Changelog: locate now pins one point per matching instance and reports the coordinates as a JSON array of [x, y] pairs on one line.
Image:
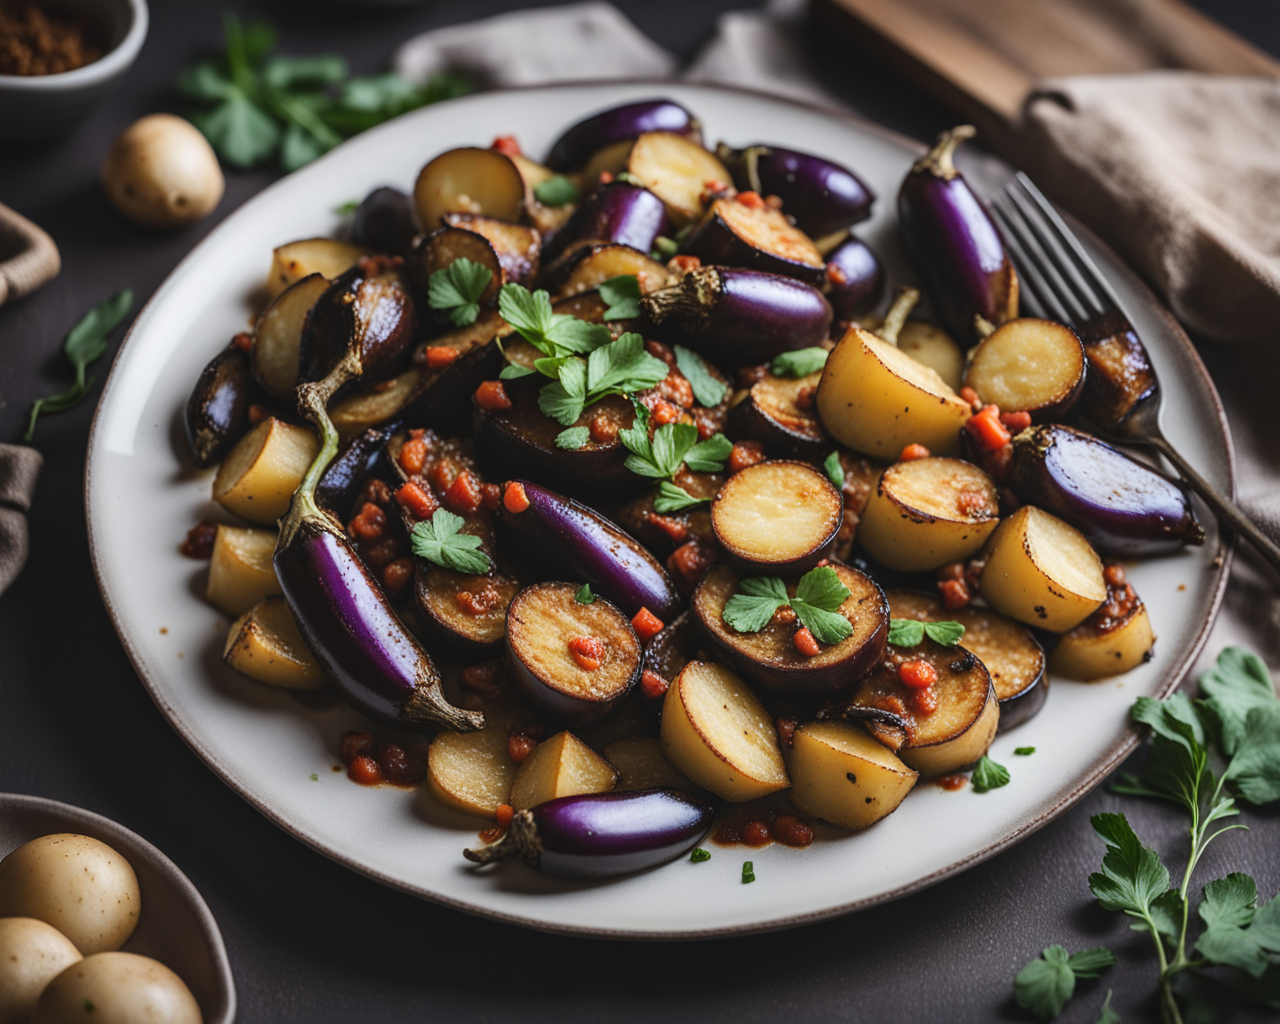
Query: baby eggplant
[[1120, 378], [954, 244], [355, 464], [596, 835], [770, 412], [1122, 506], [745, 231], [855, 279], [618, 124], [384, 222], [558, 537], [616, 212], [822, 196], [738, 316], [217, 414]]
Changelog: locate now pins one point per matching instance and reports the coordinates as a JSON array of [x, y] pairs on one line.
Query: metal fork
[[1066, 286]]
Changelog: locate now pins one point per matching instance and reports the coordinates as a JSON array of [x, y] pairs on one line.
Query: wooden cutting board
[[982, 57]]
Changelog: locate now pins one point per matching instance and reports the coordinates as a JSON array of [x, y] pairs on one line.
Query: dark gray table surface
[[311, 941]]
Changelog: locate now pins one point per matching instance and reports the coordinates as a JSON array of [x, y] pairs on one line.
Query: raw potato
[[717, 733], [1042, 572], [1100, 647], [79, 885], [473, 772], [1028, 365], [277, 335], [32, 954], [876, 399], [641, 764], [560, 766], [325, 256], [841, 775], [162, 172], [264, 644], [676, 170], [928, 513], [258, 477], [240, 572], [117, 988]]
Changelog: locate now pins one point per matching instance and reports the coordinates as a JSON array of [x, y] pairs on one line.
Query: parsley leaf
[[1024, 751], [556, 191], [584, 595], [1230, 938], [438, 540], [758, 597], [821, 588], [573, 438], [1254, 771], [624, 365], [707, 389], [946, 633], [622, 293], [834, 470], [456, 290], [671, 498], [818, 595], [1132, 875], [664, 248], [699, 855], [987, 775], [708, 456], [85, 343], [1237, 683], [1107, 1015], [905, 632], [1047, 984], [529, 314], [799, 362]]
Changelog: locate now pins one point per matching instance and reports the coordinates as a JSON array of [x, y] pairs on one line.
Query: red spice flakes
[[914, 451], [646, 624], [491, 396], [917, 674], [653, 686], [416, 500], [806, 643], [506, 145], [514, 500], [368, 523], [199, 542], [744, 454], [587, 651]]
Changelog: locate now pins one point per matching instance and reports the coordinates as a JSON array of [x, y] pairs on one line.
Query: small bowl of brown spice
[[59, 58]]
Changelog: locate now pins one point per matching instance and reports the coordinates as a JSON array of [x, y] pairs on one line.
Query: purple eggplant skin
[[362, 458], [576, 146], [821, 195], [1122, 506], [598, 835], [737, 316], [217, 413], [616, 212], [862, 286], [384, 222], [953, 243], [563, 539]]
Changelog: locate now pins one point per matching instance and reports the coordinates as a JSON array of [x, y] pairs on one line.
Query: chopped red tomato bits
[[504, 814], [413, 456], [506, 145], [514, 500], [653, 686], [353, 744], [987, 430], [676, 529], [914, 451], [520, 746], [365, 770], [243, 341], [368, 523], [917, 674], [437, 357], [664, 412], [750, 199], [490, 496], [606, 177], [971, 396], [835, 276], [417, 500], [689, 561], [684, 264], [199, 542], [646, 624], [806, 643], [1016, 421], [397, 575], [955, 594], [744, 454], [491, 396], [463, 494], [587, 651]]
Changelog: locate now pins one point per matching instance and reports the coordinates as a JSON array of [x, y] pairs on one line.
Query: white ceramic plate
[[277, 750]]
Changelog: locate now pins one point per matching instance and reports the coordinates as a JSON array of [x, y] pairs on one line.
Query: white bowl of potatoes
[[95, 920]]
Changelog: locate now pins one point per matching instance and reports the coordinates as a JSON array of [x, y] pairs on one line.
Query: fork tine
[[1040, 269], [1058, 254], [1035, 294]]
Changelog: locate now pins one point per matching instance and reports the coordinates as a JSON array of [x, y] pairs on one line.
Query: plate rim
[[1183, 349]]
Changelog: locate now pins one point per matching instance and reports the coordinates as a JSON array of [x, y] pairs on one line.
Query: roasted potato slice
[[259, 475], [1029, 365], [240, 572], [277, 335], [841, 774], [468, 180], [676, 169], [264, 644], [325, 256], [473, 772], [560, 766], [1114, 639]]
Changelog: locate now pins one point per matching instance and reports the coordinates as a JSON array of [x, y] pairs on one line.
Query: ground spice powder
[[36, 42]]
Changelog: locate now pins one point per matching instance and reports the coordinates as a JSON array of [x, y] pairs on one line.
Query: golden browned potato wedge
[[929, 345], [1029, 365], [264, 644], [641, 764], [473, 772], [876, 399], [277, 335], [358, 412], [560, 766], [325, 256], [260, 474], [1042, 572], [1114, 639], [717, 733], [842, 775], [929, 512], [676, 169], [240, 571]]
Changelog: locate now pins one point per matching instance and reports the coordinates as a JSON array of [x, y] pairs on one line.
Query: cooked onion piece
[[325, 256], [240, 571], [770, 657], [574, 662], [265, 644], [717, 733], [842, 775], [1029, 365], [277, 335], [1042, 572], [676, 169], [468, 180], [641, 764], [1010, 651], [560, 766], [876, 399], [771, 413], [473, 772], [779, 518], [259, 475], [927, 513], [1114, 639]]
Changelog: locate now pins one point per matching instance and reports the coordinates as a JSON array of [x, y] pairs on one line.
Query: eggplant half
[[361, 460], [756, 236], [737, 316], [770, 658], [587, 267], [510, 252], [383, 222], [1121, 505], [771, 412], [597, 835], [1121, 378], [569, 660], [854, 280], [821, 195], [672, 648], [217, 413], [619, 124], [617, 212], [663, 532]]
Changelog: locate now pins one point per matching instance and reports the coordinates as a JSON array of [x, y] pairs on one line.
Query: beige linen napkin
[[19, 470]]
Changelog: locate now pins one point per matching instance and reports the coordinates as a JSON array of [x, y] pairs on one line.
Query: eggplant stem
[[894, 320], [940, 161], [519, 840], [982, 326], [688, 303]]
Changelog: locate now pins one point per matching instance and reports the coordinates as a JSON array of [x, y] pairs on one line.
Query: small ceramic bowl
[[37, 108], [175, 926]]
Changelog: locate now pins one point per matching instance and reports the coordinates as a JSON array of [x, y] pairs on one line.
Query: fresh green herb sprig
[[584, 595], [987, 775], [556, 191], [256, 107], [1046, 984], [910, 632], [834, 469], [85, 343], [455, 290], [622, 293], [707, 389], [819, 595], [1236, 723], [439, 540], [799, 362], [660, 458]]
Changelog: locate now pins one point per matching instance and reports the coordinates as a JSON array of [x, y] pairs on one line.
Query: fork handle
[[1222, 505]]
